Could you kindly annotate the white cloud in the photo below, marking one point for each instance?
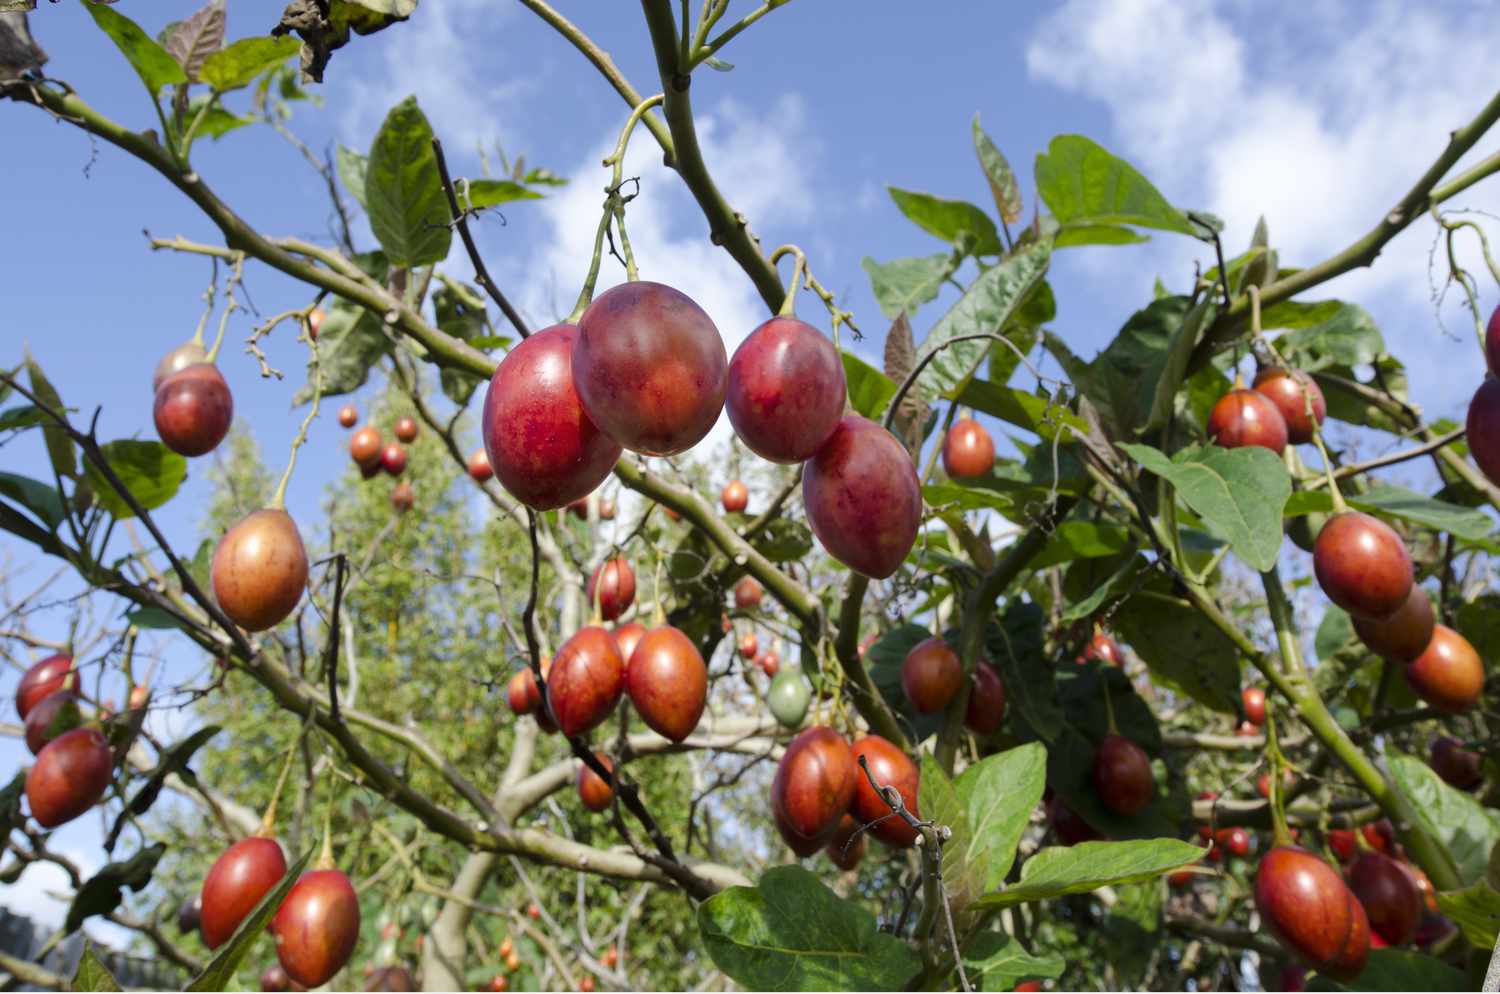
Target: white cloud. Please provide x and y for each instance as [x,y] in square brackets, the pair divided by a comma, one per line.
[1319,117]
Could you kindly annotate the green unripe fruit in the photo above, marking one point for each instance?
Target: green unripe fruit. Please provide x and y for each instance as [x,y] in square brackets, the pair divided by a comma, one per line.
[788,697]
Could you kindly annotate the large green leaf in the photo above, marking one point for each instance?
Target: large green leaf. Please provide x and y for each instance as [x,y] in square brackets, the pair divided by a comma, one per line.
[1175,363]
[350,342]
[102,893]
[1061,870]
[938,802]
[21,416]
[240,63]
[956,222]
[92,974]
[986,306]
[903,285]
[477,193]
[1476,911]
[1467,828]
[996,962]
[153,63]
[793,933]
[1003,186]
[353,167]
[1083,540]
[1015,648]
[457,318]
[37,497]
[150,471]
[869,389]
[1345,336]
[60,448]
[403,191]
[1083,184]
[216,976]
[1121,382]
[1390,501]
[1398,970]
[998,795]
[1239,494]
[1182,649]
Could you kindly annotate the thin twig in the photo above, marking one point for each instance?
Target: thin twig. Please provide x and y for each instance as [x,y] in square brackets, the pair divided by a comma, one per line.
[461,221]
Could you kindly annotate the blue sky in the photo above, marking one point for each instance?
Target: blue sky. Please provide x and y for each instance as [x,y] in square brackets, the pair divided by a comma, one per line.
[1317,115]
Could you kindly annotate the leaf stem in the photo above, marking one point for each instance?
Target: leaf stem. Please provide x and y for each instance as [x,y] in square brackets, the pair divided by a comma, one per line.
[278,499]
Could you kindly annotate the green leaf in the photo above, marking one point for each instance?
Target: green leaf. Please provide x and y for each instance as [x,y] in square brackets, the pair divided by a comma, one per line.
[352,167]
[986,306]
[10,804]
[173,760]
[1083,184]
[153,64]
[1467,828]
[1003,186]
[1476,911]
[216,122]
[456,318]
[1239,494]
[1299,314]
[869,389]
[1117,572]
[240,63]
[1387,500]
[1061,870]
[1399,970]
[793,933]
[102,893]
[1083,540]
[152,617]
[60,448]
[1183,650]
[1174,366]
[21,416]
[998,794]
[903,285]
[784,540]
[956,222]
[38,498]
[477,193]
[1079,235]
[150,471]
[996,962]
[1121,382]
[938,802]
[1346,337]
[350,342]
[216,976]
[92,975]
[1015,648]
[1039,415]
[405,200]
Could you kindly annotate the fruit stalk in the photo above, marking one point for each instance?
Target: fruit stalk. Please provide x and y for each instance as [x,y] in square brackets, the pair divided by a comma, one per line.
[278,499]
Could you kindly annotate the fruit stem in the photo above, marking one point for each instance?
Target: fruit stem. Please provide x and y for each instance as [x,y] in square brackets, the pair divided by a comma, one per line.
[208,300]
[1339,507]
[799,269]
[325,858]
[1109,705]
[267,828]
[278,499]
[1279,834]
[230,306]
[586,293]
[1462,276]
[659,615]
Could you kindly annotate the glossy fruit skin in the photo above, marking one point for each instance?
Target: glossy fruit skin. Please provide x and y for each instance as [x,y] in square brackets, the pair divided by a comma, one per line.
[1068,825]
[862,498]
[931,674]
[1254,700]
[1404,635]
[542,447]
[1389,894]
[1122,775]
[185,355]
[769,663]
[628,636]
[1244,417]
[190,914]
[274,978]
[348,416]
[1303,901]
[749,645]
[788,697]
[735,497]
[58,713]
[45,678]
[371,471]
[650,368]
[1029,985]
[1362,565]
[317,927]
[402,497]
[393,458]
[1289,390]
[406,430]
[1343,844]
[813,788]
[499,983]
[479,466]
[1483,427]
[69,776]
[365,447]
[891,768]
[667,682]
[586,681]
[260,569]
[747,593]
[522,693]
[593,790]
[1459,767]
[193,409]
[1234,840]
[785,390]
[1103,649]
[846,850]
[245,873]
[968,450]
[986,711]
[1449,675]
[616,589]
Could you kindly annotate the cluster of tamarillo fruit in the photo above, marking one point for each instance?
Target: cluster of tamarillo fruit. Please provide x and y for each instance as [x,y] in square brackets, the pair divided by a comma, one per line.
[74,761]
[645,369]
[372,454]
